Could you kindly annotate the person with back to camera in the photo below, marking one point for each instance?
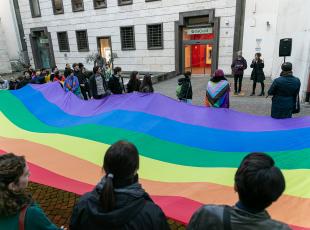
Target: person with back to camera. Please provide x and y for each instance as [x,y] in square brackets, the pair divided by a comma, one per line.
[118,202]
[147,84]
[258,74]
[285,92]
[258,183]
[184,89]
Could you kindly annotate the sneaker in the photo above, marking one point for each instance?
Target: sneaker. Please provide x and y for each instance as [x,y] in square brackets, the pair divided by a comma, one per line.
[235,93]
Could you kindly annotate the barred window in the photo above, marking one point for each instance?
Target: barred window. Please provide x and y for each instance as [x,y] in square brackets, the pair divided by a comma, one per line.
[58,6]
[128,38]
[35,8]
[155,36]
[124,2]
[77,5]
[63,42]
[100,4]
[82,40]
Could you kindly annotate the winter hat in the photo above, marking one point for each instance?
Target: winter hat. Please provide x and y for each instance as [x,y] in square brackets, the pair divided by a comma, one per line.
[287,66]
[219,73]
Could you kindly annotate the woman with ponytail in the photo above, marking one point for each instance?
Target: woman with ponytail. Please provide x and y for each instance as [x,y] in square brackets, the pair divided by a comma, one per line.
[118,202]
[17,210]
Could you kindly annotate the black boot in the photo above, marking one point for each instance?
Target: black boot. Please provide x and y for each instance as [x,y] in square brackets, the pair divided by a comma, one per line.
[252,94]
[262,94]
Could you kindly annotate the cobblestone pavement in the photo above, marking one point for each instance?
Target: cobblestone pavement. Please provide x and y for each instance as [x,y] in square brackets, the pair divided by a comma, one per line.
[58,204]
[254,105]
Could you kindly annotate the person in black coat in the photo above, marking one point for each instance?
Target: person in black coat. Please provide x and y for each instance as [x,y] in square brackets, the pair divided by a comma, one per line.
[116,84]
[83,80]
[134,82]
[97,84]
[285,92]
[258,73]
[118,201]
[186,93]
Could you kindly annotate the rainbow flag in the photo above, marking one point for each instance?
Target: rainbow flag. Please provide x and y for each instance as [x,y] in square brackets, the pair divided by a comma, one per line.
[189,154]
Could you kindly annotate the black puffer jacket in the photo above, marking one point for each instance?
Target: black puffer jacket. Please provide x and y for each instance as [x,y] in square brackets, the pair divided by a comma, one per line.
[134,211]
[186,89]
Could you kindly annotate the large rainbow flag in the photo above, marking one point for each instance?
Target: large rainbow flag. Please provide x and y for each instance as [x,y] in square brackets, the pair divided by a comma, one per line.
[188,154]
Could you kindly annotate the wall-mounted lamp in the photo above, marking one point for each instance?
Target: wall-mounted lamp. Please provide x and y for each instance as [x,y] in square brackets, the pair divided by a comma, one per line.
[226,22]
[268,24]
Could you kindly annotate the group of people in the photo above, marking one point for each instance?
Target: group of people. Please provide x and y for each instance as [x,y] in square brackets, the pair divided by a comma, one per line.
[79,82]
[119,201]
[285,89]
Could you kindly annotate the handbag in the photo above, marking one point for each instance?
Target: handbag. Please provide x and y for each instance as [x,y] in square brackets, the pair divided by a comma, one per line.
[21,218]
[297,105]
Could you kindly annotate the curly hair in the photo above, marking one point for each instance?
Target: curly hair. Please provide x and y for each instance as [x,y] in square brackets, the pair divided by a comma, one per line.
[11,169]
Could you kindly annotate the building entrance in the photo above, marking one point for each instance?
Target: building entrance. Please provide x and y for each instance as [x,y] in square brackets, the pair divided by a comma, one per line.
[105,50]
[42,49]
[197,42]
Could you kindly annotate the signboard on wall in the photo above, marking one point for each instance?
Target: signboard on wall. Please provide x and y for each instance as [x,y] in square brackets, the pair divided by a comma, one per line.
[204,30]
[43,40]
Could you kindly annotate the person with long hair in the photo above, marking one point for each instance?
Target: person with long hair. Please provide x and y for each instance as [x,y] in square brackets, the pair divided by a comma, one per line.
[134,82]
[118,201]
[217,93]
[258,74]
[147,85]
[17,209]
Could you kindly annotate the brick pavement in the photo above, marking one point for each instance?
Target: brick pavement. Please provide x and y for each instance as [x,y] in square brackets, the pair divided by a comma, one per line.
[58,204]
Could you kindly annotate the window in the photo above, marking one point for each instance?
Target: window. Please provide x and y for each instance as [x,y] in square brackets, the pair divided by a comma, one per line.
[58,6]
[82,40]
[100,4]
[35,8]
[155,36]
[124,2]
[77,5]
[63,42]
[128,38]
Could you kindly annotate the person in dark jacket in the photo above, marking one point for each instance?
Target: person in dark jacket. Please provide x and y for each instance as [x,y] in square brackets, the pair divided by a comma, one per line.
[147,84]
[54,69]
[134,82]
[67,70]
[258,74]
[285,92]
[258,183]
[98,85]
[116,84]
[186,93]
[118,201]
[38,79]
[84,85]
[238,66]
